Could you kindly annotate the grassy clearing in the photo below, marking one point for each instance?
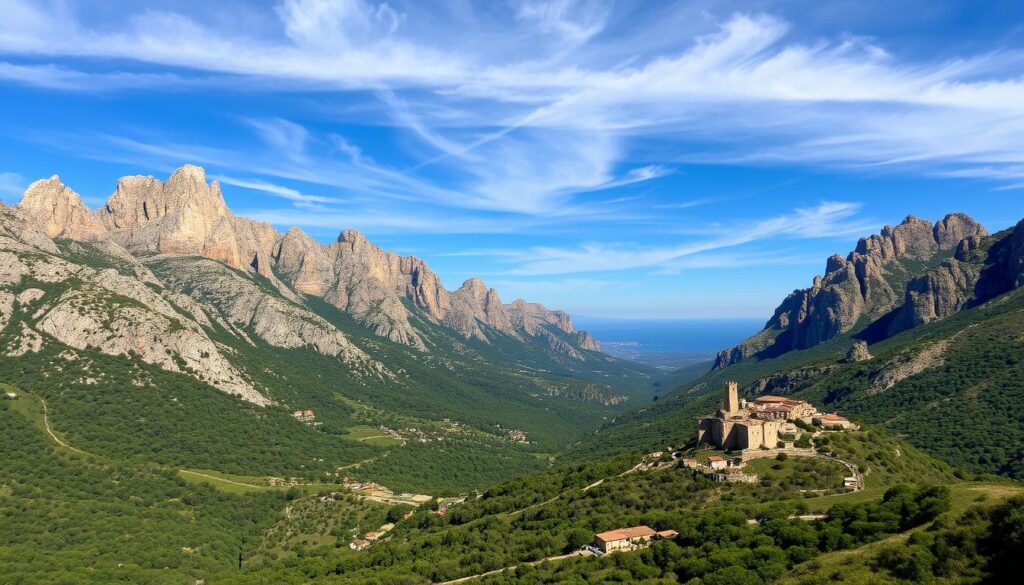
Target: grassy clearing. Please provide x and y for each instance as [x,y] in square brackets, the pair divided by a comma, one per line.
[370,435]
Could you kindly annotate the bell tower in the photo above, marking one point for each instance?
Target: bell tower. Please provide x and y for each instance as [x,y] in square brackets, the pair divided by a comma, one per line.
[732,397]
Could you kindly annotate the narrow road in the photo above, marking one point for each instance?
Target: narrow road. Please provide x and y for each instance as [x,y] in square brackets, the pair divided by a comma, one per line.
[46,423]
[221,479]
[502,570]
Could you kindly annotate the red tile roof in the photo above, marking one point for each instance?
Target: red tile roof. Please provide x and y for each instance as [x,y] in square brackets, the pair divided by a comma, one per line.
[625,533]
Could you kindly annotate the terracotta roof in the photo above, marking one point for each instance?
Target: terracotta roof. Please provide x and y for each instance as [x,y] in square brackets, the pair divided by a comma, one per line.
[770,398]
[624,533]
[668,533]
[716,458]
[834,417]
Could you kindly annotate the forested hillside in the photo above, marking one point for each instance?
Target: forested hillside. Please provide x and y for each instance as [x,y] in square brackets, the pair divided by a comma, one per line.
[950,386]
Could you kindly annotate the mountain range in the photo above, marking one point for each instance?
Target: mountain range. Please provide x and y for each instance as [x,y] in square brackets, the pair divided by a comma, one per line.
[185,261]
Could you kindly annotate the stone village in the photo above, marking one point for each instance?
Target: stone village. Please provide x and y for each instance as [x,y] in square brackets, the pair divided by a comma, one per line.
[754,428]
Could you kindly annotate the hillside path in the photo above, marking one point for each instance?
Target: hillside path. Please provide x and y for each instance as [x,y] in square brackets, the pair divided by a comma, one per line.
[578,553]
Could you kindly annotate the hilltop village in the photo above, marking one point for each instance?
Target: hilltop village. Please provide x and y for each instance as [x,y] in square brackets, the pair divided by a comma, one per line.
[741,425]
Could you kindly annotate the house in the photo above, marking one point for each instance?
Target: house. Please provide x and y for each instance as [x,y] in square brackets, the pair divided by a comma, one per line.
[667,534]
[691,463]
[717,462]
[358,544]
[304,415]
[442,512]
[624,538]
[831,421]
[371,535]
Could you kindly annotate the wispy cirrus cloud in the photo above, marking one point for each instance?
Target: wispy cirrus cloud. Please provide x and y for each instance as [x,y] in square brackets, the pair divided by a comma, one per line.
[538,122]
[827,220]
[12,185]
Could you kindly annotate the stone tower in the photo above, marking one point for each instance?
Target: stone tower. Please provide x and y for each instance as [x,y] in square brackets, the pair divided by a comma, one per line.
[732,397]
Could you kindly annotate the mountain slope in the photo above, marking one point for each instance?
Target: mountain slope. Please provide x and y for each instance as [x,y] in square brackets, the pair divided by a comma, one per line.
[951,386]
[149,305]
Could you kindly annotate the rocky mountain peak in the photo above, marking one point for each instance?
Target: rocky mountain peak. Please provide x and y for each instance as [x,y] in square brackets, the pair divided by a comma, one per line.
[867,284]
[475,287]
[352,237]
[187,186]
[956,227]
[60,211]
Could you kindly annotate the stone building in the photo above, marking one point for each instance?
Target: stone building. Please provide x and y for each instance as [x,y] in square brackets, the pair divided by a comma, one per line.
[630,538]
[742,425]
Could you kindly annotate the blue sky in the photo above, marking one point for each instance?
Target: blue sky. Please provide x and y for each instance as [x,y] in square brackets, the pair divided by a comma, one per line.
[628,159]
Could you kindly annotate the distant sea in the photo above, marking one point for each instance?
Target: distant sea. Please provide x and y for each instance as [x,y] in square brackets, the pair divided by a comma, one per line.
[667,343]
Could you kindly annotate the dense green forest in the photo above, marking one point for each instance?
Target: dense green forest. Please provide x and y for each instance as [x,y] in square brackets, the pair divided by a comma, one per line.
[72,518]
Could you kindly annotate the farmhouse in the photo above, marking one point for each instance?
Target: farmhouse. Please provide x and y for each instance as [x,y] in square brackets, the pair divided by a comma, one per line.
[624,538]
[358,544]
[304,415]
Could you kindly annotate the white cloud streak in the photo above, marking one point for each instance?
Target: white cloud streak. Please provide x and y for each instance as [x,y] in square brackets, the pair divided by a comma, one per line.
[827,220]
[12,185]
[535,127]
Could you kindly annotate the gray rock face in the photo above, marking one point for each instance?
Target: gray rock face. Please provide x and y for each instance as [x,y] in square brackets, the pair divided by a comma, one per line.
[860,287]
[936,295]
[244,306]
[858,352]
[531,316]
[61,211]
[786,382]
[1015,263]
[956,227]
[363,280]
[473,305]
[106,310]
[587,341]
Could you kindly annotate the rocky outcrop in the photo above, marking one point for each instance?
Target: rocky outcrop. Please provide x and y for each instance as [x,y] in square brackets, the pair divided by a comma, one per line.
[1015,259]
[786,382]
[88,316]
[867,284]
[61,212]
[474,305]
[186,215]
[531,316]
[936,295]
[956,227]
[103,309]
[858,352]
[907,365]
[248,308]
[362,280]
[586,341]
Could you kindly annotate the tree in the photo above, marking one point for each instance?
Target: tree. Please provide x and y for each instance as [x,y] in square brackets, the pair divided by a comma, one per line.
[577,538]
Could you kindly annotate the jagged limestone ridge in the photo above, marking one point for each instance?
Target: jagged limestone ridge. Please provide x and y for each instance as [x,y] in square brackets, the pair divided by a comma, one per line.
[186,215]
[856,287]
